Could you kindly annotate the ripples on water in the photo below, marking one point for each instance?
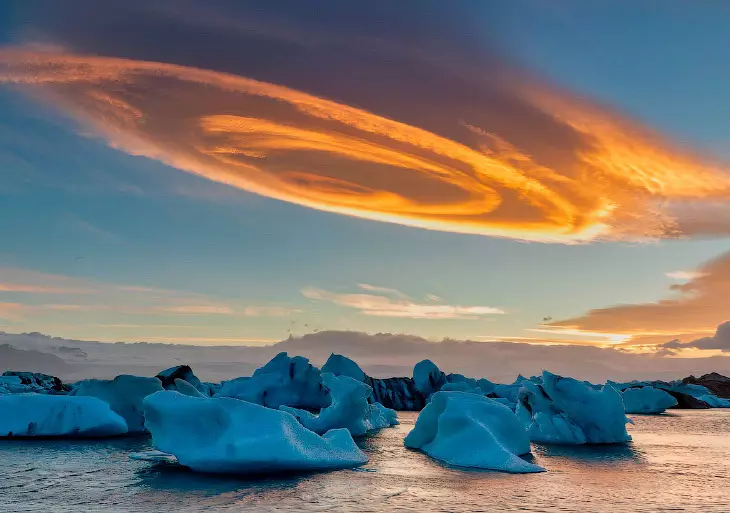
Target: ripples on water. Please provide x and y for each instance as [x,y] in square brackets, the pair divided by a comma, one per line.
[677,462]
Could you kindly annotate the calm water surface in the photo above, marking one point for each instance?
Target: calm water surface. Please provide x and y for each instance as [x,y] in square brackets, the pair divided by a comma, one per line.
[677,462]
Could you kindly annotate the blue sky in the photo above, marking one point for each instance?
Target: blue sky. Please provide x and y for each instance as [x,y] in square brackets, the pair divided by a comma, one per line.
[172,256]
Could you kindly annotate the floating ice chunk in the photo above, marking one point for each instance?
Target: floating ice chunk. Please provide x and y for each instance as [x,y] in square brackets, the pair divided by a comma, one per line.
[544,422]
[57,415]
[283,381]
[715,402]
[460,386]
[647,400]
[225,435]
[380,416]
[342,366]
[397,393]
[26,382]
[469,430]
[185,388]
[509,404]
[154,456]
[460,378]
[568,411]
[508,392]
[168,377]
[350,408]
[486,385]
[428,378]
[124,394]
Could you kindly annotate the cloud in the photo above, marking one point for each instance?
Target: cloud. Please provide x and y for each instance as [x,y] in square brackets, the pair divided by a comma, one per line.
[39,289]
[693,308]
[75,295]
[270,311]
[684,275]
[383,290]
[434,298]
[384,306]
[10,311]
[14,280]
[197,309]
[719,341]
[536,163]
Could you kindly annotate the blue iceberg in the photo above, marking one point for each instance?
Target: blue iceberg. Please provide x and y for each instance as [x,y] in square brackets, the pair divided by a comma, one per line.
[124,394]
[469,430]
[567,411]
[350,409]
[647,400]
[27,415]
[226,435]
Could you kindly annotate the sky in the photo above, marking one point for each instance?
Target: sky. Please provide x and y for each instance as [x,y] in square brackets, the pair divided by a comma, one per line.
[223,173]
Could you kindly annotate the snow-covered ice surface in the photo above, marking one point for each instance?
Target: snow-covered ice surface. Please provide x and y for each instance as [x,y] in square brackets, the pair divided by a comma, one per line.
[647,400]
[349,409]
[469,430]
[124,394]
[676,462]
[567,411]
[225,435]
[30,415]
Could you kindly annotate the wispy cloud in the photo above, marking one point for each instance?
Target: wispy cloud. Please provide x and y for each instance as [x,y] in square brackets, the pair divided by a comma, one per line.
[11,311]
[84,296]
[684,275]
[383,290]
[40,289]
[87,227]
[270,311]
[197,309]
[384,306]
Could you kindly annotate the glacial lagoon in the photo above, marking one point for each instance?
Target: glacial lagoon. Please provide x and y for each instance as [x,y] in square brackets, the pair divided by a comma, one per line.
[677,461]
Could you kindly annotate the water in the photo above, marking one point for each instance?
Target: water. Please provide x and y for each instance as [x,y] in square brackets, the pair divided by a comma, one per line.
[677,462]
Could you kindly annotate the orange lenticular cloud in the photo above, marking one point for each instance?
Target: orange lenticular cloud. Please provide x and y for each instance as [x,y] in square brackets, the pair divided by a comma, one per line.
[616,181]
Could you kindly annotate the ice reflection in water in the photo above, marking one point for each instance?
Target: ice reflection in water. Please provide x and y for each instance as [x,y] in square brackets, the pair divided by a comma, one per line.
[677,461]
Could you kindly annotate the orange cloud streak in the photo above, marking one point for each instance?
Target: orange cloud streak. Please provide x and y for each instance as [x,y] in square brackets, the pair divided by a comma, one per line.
[619,182]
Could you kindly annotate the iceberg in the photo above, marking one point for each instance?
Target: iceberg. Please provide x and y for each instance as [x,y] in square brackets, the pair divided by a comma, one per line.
[283,381]
[350,409]
[508,392]
[647,400]
[26,382]
[168,377]
[688,395]
[342,366]
[428,377]
[124,395]
[226,435]
[469,430]
[567,411]
[27,415]
[396,393]
[185,388]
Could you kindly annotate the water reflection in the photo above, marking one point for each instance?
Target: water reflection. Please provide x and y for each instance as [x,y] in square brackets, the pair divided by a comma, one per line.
[596,454]
[676,461]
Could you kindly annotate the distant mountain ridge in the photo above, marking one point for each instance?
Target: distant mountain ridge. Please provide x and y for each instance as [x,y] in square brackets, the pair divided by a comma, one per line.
[15,359]
[380,355]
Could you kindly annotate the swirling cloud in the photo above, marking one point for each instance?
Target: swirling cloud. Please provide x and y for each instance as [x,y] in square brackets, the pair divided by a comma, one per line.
[607,178]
